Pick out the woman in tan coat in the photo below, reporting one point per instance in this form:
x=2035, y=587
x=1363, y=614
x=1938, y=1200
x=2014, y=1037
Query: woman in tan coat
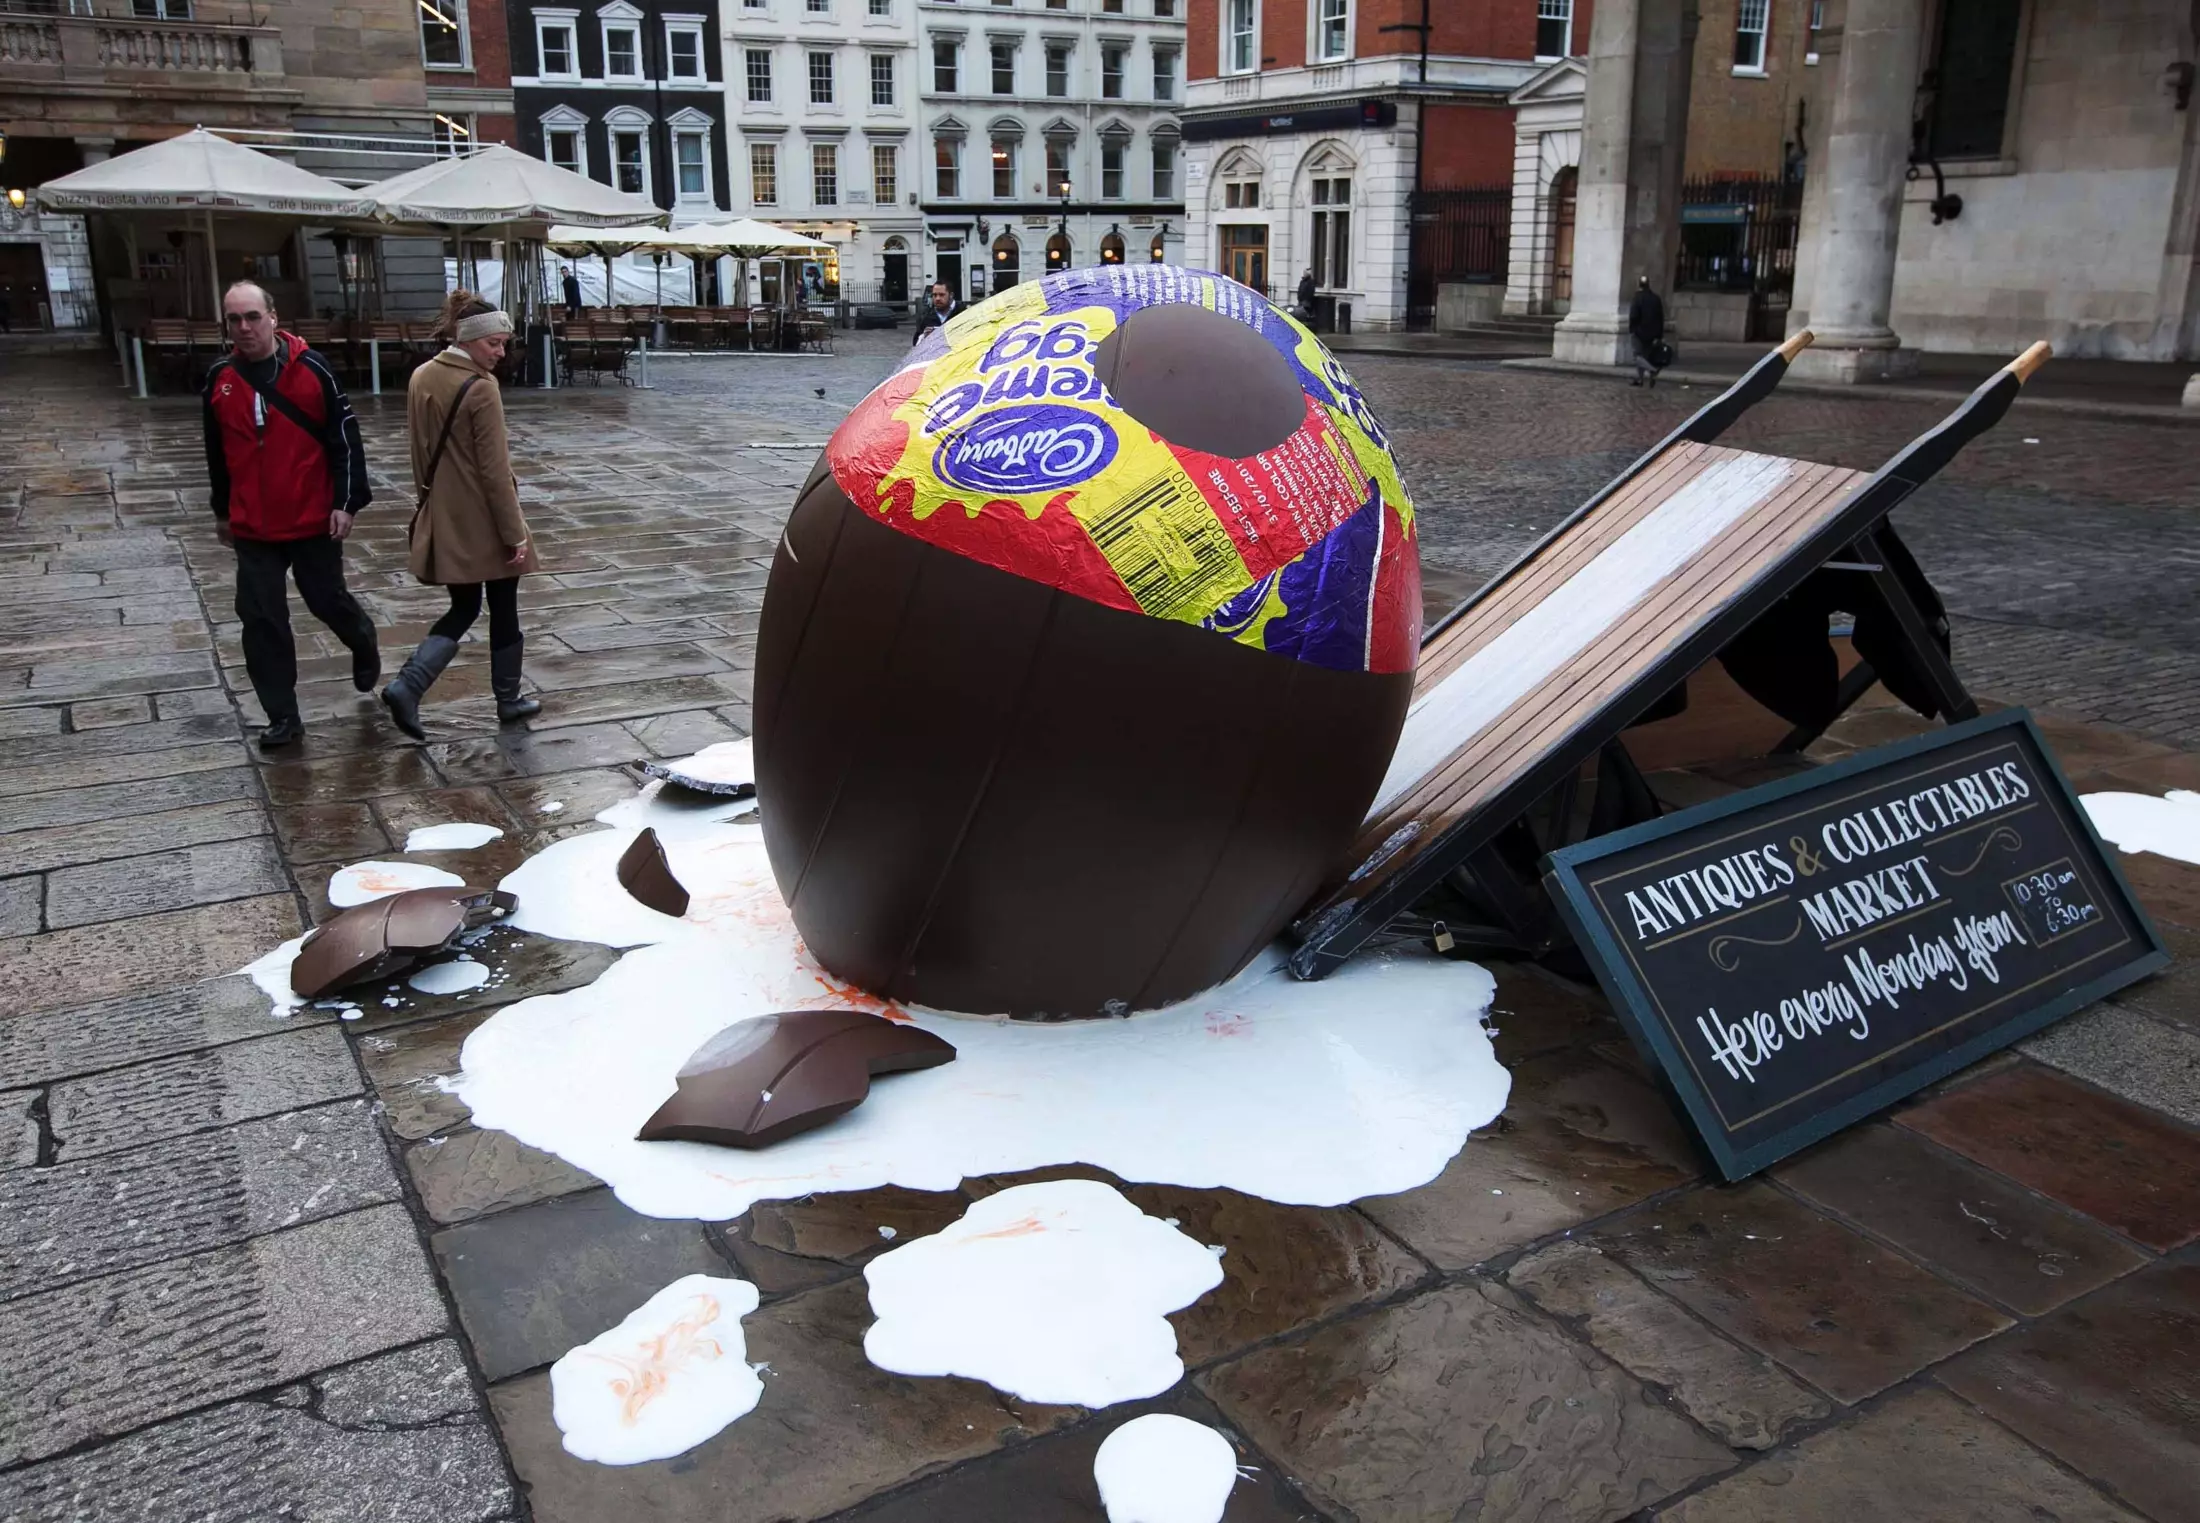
x=468, y=533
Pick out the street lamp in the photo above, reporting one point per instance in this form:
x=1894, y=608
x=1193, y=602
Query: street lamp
x=1061, y=232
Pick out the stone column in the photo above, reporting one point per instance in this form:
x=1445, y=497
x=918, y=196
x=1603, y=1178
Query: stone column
x=1859, y=174
x=1818, y=89
x=1635, y=135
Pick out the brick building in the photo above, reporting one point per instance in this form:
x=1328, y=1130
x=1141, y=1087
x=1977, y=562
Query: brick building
x=1370, y=142
x=356, y=91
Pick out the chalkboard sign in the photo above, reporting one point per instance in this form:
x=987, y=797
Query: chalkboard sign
x=1801, y=955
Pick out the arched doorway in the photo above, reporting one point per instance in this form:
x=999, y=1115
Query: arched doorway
x=1563, y=185
x=1007, y=261
x=1058, y=254
x=1157, y=252
x=1111, y=248
x=893, y=284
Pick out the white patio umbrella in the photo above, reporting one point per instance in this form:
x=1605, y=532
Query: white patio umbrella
x=502, y=188
x=200, y=172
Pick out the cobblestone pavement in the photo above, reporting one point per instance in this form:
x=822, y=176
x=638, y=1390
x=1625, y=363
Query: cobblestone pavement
x=255, y=1268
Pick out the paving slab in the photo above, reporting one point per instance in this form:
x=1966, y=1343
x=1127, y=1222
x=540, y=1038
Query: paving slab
x=580, y=796
x=469, y=1173
x=1579, y=1138
x=116, y=1033
x=395, y=1438
x=1458, y=1404
x=532, y=1283
x=150, y=952
x=75, y=1221
x=1742, y=1397
x=1050, y=1480
x=1843, y=1312
x=349, y=778
x=20, y=1132
x=1969, y=1225
x=2122, y=1165
x=522, y=965
x=22, y=905
x=2144, y=1060
x=41, y=850
x=2108, y=1385
x=164, y=880
x=229, y=784
x=403, y=813
x=526, y=754
x=329, y=832
x=2173, y=995
x=830, y=1431
x=151, y=766
x=1921, y=1456
x=195, y=1091
x=168, y=1338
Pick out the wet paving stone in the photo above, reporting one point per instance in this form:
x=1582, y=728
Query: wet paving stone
x=532, y=1283
x=22, y=905
x=844, y=1227
x=396, y=1436
x=1283, y=1267
x=92, y=962
x=470, y=1173
x=2173, y=995
x=1846, y=1314
x=521, y=965
x=218, y=1086
x=830, y=1431
x=403, y=813
x=167, y=880
x=2150, y=1062
x=130, y=767
x=1920, y=1456
x=1578, y=1138
x=637, y=700
x=41, y=850
x=1458, y=1404
x=173, y=1337
x=1050, y=1480
x=126, y=802
x=19, y=1128
x=329, y=832
x=2123, y=1166
x=1533, y=1012
x=347, y=779
x=2108, y=1385
x=1743, y=1398
x=579, y=796
x=1971, y=1226
x=409, y=1067
x=523, y=754
x=186, y=1194
x=115, y=1033
x=683, y=734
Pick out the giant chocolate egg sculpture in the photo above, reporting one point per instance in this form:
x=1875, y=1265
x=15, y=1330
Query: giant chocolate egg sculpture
x=1084, y=651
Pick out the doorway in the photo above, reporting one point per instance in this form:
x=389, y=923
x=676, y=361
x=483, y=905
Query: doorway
x=1245, y=254
x=893, y=282
x=1563, y=185
x=23, y=298
x=1008, y=261
x=951, y=266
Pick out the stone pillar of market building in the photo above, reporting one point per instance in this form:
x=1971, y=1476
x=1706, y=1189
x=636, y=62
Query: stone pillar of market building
x=1859, y=174
x=1634, y=138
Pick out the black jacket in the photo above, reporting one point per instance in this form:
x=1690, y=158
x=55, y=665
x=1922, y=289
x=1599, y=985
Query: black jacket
x=573, y=292
x=1306, y=290
x=1646, y=316
x=932, y=317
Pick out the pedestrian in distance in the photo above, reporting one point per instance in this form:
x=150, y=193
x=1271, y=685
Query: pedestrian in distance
x=1646, y=326
x=1306, y=296
x=573, y=302
x=468, y=534
x=288, y=472
x=937, y=310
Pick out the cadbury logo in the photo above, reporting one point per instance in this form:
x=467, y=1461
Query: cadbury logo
x=1036, y=448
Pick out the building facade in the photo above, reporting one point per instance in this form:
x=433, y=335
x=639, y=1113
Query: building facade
x=1050, y=137
x=630, y=94
x=341, y=89
x=1315, y=129
x=465, y=47
x=2004, y=171
x=822, y=95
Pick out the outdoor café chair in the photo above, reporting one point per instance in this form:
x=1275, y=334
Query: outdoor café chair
x=1672, y=563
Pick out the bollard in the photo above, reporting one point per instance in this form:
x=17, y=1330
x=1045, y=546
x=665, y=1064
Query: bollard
x=122, y=355
x=642, y=354
x=137, y=353
x=374, y=363
x=549, y=360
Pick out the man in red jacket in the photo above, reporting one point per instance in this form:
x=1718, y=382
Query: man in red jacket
x=289, y=472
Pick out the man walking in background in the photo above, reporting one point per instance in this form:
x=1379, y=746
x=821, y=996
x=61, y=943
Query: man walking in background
x=937, y=311
x=573, y=302
x=1646, y=326
x=288, y=471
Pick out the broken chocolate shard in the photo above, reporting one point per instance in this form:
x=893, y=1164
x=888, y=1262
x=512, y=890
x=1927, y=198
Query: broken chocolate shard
x=388, y=935
x=644, y=873
x=762, y=1080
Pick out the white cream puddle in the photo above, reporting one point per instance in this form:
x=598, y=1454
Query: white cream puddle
x=2168, y=826
x=669, y=1376
x=1161, y=1468
x=363, y=882
x=460, y=835
x=272, y=974
x=1056, y=1292
x=449, y=977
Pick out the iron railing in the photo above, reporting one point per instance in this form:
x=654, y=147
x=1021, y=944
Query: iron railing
x=1458, y=234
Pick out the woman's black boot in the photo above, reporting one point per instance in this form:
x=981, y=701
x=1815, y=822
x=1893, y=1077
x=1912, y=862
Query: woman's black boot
x=402, y=697
x=504, y=669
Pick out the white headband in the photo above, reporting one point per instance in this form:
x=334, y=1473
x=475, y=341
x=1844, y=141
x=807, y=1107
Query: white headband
x=481, y=325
